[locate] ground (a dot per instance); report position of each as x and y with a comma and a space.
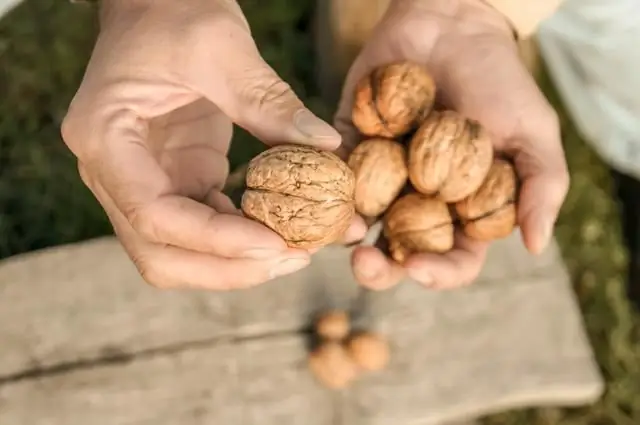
44, 46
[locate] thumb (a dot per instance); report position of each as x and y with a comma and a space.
544, 188
254, 97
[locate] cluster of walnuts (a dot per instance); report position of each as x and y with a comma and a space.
342, 355
425, 171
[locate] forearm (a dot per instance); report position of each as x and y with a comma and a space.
525, 16
522, 15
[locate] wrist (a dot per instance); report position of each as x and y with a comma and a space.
467, 16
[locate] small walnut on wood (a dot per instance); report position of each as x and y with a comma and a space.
304, 194
333, 325
490, 212
332, 365
393, 99
449, 156
418, 223
380, 168
370, 351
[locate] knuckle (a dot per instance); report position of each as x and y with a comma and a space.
142, 219
273, 91
151, 271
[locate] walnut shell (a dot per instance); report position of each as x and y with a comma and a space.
302, 193
449, 156
332, 365
369, 351
418, 223
393, 99
380, 168
490, 212
333, 325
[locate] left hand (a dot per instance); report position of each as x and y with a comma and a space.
470, 50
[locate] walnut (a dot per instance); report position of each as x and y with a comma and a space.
393, 99
333, 325
418, 223
302, 193
332, 365
490, 212
380, 168
449, 156
369, 351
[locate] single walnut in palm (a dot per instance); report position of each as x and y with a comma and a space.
380, 168
303, 194
490, 212
449, 156
418, 223
393, 99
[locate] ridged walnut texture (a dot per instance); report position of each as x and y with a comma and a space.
449, 156
303, 194
490, 212
380, 168
417, 223
393, 99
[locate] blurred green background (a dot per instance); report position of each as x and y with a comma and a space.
44, 47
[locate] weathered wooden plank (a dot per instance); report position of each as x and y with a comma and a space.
446, 364
86, 301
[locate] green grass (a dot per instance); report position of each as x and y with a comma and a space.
43, 203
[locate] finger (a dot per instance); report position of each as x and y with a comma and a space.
544, 185
355, 232
165, 266
142, 192
169, 267
456, 268
254, 96
374, 270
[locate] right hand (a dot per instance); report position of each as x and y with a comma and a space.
151, 125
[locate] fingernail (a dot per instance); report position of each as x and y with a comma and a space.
288, 266
261, 253
313, 127
546, 232
420, 275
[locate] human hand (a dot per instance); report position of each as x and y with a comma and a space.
151, 125
470, 50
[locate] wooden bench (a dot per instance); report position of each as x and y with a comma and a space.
85, 341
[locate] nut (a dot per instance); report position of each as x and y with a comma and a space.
369, 351
393, 99
449, 156
333, 325
380, 168
332, 365
302, 193
418, 223
490, 212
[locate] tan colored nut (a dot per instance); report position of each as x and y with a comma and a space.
332, 365
303, 194
490, 212
380, 168
393, 99
369, 351
418, 223
333, 325
449, 156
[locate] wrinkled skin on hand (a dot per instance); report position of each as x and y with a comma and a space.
303, 194
469, 49
151, 125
